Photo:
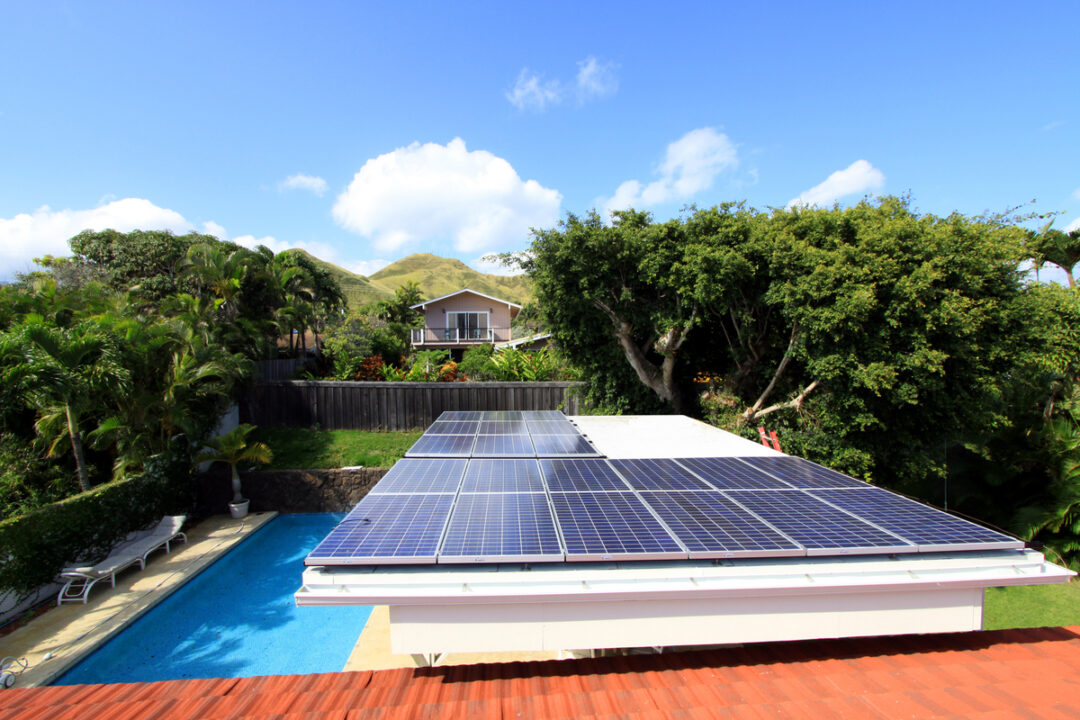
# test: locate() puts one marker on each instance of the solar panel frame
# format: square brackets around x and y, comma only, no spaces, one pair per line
[581,475]
[502,476]
[453,427]
[800,473]
[411,476]
[657,474]
[711,525]
[501,527]
[551,427]
[564,446]
[930,529]
[819,527]
[612,526]
[449,415]
[387,530]
[452,446]
[495,446]
[729,473]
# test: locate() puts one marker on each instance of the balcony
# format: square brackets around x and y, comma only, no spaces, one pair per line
[458,336]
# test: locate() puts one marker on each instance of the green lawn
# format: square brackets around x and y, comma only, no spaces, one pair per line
[302,449]
[1032,606]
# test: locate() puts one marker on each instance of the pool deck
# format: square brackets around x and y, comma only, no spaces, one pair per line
[67,634]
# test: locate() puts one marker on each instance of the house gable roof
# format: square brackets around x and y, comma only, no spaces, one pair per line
[466,290]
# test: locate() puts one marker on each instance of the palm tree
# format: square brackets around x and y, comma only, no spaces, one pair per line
[233,448]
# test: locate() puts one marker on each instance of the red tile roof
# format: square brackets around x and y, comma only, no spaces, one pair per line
[1002,674]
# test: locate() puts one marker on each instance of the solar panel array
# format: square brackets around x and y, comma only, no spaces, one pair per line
[502,434]
[487,510]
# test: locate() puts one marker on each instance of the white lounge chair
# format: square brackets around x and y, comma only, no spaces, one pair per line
[133,549]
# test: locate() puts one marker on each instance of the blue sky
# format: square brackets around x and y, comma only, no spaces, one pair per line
[365,132]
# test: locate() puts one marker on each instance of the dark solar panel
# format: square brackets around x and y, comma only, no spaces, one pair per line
[611,526]
[549,427]
[542,415]
[441,446]
[574,445]
[503,415]
[502,476]
[731,474]
[576,475]
[931,529]
[657,474]
[501,527]
[503,427]
[460,415]
[802,473]
[386,529]
[453,427]
[710,525]
[503,446]
[820,528]
[421,475]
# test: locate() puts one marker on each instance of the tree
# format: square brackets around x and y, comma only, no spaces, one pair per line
[233,448]
[1057,247]
[391,339]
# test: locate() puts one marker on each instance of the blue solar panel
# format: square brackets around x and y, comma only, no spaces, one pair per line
[503,446]
[573,445]
[612,526]
[503,427]
[931,529]
[550,427]
[503,415]
[576,475]
[499,528]
[802,473]
[657,474]
[441,446]
[542,415]
[710,526]
[453,427]
[502,476]
[386,529]
[460,415]
[421,475]
[820,528]
[731,474]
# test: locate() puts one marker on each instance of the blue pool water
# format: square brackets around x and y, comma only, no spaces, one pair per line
[235,619]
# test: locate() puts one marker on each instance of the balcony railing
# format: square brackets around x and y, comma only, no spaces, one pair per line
[455,336]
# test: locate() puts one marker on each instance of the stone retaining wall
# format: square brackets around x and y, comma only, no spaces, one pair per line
[287,491]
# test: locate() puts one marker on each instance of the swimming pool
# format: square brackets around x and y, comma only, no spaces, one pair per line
[235,619]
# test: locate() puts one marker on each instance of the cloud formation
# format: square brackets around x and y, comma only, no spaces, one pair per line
[595,79]
[858,177]
[300,181]
[1076,194]
[532,92]
[1074,225]
[437,192]
[46,231]
[690,165]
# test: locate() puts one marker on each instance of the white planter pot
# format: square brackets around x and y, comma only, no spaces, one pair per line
[240,509]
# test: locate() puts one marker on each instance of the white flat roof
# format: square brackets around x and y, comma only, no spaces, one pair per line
[674,436]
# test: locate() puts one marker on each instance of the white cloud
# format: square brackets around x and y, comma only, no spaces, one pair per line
[46,232]
[596,79]
[300,181]
[435,192]
[366,267]
[1074,225]
[490,265]
[690,165]
[1052,125]
[1076,194]
[531,92]
[212,228]
[859,177]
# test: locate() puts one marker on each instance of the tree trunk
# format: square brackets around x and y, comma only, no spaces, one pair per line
[236,496]
[77,448]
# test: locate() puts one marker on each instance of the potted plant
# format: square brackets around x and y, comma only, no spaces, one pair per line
[233,448]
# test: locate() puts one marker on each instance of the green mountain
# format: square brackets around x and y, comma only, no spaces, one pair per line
[439,276]
[359,290]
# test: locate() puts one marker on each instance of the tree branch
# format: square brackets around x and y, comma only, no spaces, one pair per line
[753,410]
[795,402]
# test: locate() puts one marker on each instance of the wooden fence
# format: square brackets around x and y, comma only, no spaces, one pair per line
[334,405]
[281,369]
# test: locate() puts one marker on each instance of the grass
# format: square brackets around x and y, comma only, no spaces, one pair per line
[302,449]
[1032,606]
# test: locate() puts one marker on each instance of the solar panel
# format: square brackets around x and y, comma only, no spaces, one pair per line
[441,446]
[502,476]
[459,415]
[579,475]
[931,529]
[503,446]
[503,427]
[820,528]
[802,473]
[551,427]
[421,475]
[731,474]
[500,528]
[503,415]
[712,526]
[657,474]
[542,415]
[386,529]
[612,526]
[453,427]
[574,445]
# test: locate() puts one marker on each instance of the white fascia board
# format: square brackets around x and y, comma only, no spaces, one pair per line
[689,580]
[464,290]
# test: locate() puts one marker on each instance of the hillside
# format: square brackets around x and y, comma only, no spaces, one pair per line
[438,276]
[359,290]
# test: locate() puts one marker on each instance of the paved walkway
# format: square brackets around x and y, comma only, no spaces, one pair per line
[61,637]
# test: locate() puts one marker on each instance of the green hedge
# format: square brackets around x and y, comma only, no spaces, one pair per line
[35,547]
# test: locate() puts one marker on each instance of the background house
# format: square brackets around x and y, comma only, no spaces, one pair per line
[463,319]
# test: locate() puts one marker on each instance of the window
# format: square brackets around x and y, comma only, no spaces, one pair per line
[466,326]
